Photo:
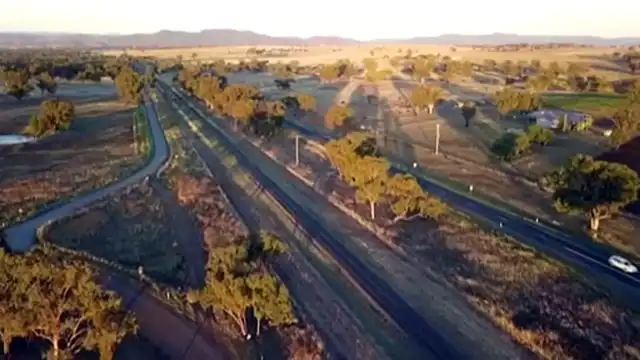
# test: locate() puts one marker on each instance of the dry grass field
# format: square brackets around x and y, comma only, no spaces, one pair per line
[597,59]
[95,151]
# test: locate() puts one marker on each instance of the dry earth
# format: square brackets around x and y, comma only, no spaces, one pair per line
[596,58]
[96,150]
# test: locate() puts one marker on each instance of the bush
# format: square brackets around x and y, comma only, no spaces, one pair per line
[510,146]
[539,135]
[54,115]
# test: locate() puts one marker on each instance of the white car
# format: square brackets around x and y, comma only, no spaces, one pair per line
[622,264]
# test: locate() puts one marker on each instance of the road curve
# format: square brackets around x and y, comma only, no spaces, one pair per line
[545,236]
[176,336]
[22,236]
[412,323]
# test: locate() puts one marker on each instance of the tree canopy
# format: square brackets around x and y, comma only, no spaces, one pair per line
[54,115]
[239,283]
[57,299]
[358,163]
[129,85]
[592,188]
[339,117]
[426,97]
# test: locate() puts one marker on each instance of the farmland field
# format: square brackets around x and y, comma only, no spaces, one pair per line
[95,151]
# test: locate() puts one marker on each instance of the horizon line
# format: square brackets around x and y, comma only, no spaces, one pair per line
[53,32]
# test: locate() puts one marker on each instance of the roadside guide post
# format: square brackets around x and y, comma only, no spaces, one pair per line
[437,138]
[297,149]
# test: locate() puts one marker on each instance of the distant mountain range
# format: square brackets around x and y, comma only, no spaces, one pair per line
[229,37]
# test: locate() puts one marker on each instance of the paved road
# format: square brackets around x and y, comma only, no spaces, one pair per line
[544,235]
[400,311]
[22,236]
[176,336]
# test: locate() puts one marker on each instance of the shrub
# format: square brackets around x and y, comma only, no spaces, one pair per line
[539,135]
[54,115]
[510,146]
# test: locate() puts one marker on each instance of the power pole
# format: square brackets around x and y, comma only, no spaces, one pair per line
[297,149]
[437,138]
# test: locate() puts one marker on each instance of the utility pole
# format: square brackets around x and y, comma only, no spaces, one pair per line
[297,149]
[437,138]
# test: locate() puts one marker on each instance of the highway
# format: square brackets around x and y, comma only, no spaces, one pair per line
[544,236]
[407,318]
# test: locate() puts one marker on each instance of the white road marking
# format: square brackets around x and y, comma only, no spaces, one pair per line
[589,258]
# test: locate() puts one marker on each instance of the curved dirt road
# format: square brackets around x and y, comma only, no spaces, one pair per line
[176,336]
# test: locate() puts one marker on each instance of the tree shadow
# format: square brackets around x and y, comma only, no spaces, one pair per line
[576,322]
[606,63]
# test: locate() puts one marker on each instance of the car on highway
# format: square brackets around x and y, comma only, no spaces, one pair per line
[623,264]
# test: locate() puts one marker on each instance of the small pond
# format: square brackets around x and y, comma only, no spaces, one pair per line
[11,139]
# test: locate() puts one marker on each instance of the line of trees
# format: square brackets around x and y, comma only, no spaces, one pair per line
[19,69]
[243,102]
[48,296]
[358,162]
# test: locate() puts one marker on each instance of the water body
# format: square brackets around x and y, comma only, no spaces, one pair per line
[15,139]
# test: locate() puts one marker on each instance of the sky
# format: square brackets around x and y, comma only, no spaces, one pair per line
[358,19]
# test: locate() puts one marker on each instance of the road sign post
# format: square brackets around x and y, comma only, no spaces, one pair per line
[437,138]
[297,149]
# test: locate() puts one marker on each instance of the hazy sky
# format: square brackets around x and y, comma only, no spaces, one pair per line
[358,19]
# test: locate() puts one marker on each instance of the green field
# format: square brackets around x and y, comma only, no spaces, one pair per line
[597,105]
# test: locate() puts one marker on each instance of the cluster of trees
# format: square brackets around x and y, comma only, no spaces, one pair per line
[424,66]
[338,70]
[24,70]
[54,115]
[595,189]
[130,84]
[339,117]
[240,284]
[358,162]
[48,296]
[243,102]
[511,145]
[509,99]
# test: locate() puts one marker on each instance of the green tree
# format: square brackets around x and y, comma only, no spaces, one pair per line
[67,308]
[16,83]
[12,287]
[510,146]
[238,283]
[410,200]
[54,115]
[595,189]
[329,72]
[426,97]
[270,300]
[339,117]
[626,123]
[129,85]
[243,111]
[307,102]
[369,176]
[539,135]
[539,83]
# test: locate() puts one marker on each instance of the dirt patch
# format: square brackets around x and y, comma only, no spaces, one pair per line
[133,228]
[97,150]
